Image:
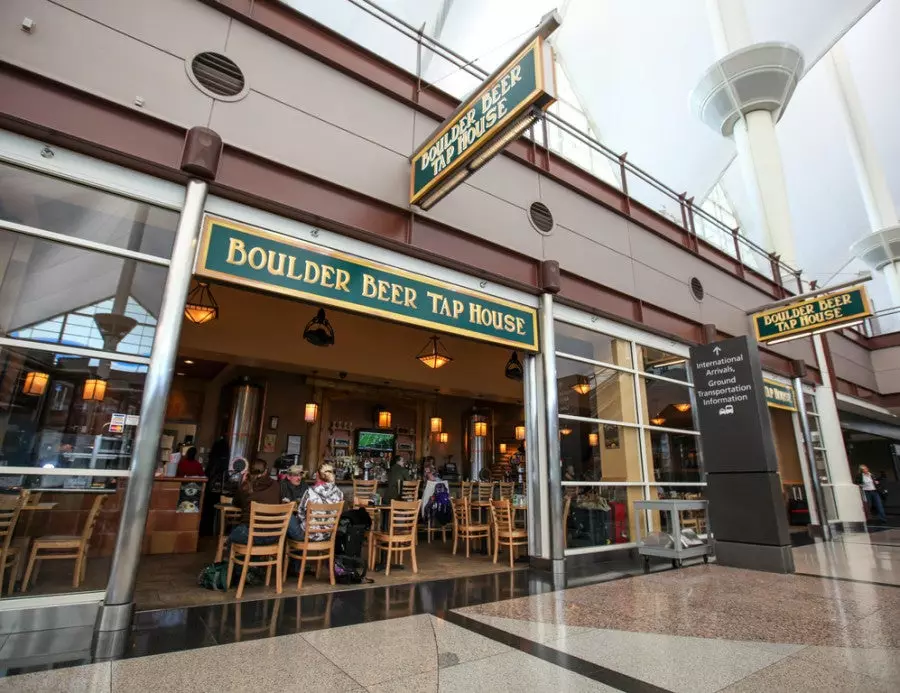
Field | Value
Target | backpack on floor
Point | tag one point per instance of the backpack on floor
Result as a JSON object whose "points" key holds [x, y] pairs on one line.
{"points": [[349, 570], [213, 576], [351, 533]]}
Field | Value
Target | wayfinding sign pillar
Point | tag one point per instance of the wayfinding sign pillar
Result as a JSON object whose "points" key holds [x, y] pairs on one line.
{"points": [[746, 509]]}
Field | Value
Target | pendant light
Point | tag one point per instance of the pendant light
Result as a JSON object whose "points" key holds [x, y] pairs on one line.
{"points": [[384, 418], [436, 424], [319, 331], [502, 448], [94, 390], [311, 412], [434, 354], [520, 433], [480, 429], [582, 385], [35, 383], [565, 431], [514, 367], [444, 437], [683, 407], [200, 307], [657, 421], [593, 439]]}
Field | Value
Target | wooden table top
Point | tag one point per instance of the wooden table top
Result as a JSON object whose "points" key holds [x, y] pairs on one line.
{"points": [[39, 506]]}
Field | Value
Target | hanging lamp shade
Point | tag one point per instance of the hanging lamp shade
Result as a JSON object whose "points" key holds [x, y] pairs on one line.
{"points": [[310, 412], [35, 383], [502, 448], [114, 327], [384, 418], [514, 367], [657, 421], [565, 431], [434, 354], [444, 437], [480, 429], [436, 424], [683, 407], [582, 385], [94, 390], [593, 439], [319, 331], [520, 433], [200, 307]]}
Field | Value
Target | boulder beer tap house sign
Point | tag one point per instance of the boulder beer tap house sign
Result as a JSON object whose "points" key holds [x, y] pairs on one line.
{"points": [[505, 105], [818, 314]]}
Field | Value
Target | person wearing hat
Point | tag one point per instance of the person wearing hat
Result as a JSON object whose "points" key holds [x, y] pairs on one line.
{"points": [[293, 485]]}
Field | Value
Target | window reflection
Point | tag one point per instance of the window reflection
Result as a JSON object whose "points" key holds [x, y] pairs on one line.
{"points": [[676, 457], [662, 363], [578, 341], [667, 404], [595, 392], [598, 452], [599, 515]]}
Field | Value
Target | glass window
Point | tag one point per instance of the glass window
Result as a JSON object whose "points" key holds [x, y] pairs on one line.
{"points": [[57, 412], [676, 456], [667, 404], [595, 392], [599, 515], [59, 294], [578, 341], [598, 452], [690, 519], [48, 203], [662, 363]]}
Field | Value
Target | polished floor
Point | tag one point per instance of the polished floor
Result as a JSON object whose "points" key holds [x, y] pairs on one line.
{"points": [[835, 627]]}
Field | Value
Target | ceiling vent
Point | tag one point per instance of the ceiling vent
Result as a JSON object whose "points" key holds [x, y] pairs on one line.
{"points": [[217, 75], [697, 288], [540, 217]]}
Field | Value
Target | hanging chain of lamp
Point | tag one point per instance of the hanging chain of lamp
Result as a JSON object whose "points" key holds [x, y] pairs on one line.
{"points": [[319, 331], [434, 354], [514, 367], [201, 307]]}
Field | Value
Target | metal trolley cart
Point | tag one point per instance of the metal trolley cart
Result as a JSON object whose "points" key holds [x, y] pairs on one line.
{"points": [[677, 552]]}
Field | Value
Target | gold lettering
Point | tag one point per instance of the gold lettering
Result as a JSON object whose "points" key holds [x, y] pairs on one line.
{"points": [[290, 272], [520, 326], [342, 281], [235, 246], [383, 288], [397, 294], [311, 272], [261, 256], [279, 269], [435, 297], [327, 274], [474, 313], [409, 298], [509, 323], [369, 290], [458, 308]]}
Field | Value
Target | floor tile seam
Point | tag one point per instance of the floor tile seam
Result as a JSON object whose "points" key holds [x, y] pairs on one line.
{"points": [[596, 672], [845, 579], [754, 673], [335, 664]]}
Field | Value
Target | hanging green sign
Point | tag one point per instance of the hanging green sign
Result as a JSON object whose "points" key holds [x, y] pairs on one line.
{"points": [[272, 262], [779, 395], [817, 314]]}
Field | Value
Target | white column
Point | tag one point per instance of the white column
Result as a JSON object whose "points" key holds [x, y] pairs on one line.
{"points": [[729, 25], [846, 492]]}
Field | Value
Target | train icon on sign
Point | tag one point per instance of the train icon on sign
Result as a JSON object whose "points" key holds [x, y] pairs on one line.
{"points": [[727, 409]]}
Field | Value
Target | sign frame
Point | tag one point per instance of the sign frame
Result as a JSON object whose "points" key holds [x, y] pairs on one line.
{"points": [[804, 330], [539, 97], [201, 270], [774, 404]]}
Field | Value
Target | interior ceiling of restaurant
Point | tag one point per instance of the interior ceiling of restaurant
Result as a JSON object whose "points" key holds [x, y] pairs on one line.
{"points": [[632, 66], [266, 331]]}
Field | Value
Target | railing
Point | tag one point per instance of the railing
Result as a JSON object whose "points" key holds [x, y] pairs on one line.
{"points": [[555, 133]]}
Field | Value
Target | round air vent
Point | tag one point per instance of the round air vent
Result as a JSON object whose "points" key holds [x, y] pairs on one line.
{"points": [[697, 288], [540, 217], [217, 75]]}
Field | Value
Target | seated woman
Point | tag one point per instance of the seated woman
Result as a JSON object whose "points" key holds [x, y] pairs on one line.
{"points": [[323, 491], [257, 486]]}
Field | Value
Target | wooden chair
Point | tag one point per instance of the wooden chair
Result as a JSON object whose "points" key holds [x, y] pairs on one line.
{"points": [[505, 532], [229, 516], [321, 518], [409, 491], [482, 495], [364, 490], [463, 528], [62, 547], [266, 522], [10, 508], [465, 489], [400, 537], [507, 490]]}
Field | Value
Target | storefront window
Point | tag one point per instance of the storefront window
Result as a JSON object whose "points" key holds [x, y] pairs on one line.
{"points": [[676, 456], [599, 452], [667, 404], [56, 205], [599, 515], [595, 392], [595, 346], [656, 362]]}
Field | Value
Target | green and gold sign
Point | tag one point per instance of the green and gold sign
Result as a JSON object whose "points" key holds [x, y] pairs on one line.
{"points": [[812, 315], [461, 142], [279, 264], [779, 395]]}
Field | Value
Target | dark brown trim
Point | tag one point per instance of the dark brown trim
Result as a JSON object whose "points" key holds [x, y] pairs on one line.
{"points": [[882, 341]]}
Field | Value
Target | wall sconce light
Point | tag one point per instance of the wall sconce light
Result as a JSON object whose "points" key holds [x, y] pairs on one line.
{"points": [[311, 412], [384, 418], [502, 447], [565, 430], [437, 424], [514, 367], [94, 390], [683, 407], [480, 429], [35, 383], [200, 307], [444, 437], [593, 439], [319, 331], [657, 421], [434, 354], [582, 385], [520, 433]]}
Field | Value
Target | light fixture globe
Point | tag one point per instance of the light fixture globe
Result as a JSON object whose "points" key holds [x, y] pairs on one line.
{"points": [[657, 421], [434, 354], [319, 331], [582, 385], [200, 307]]}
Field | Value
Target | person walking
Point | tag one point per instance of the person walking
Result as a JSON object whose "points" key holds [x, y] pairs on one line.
{"points": [[869, 485]]}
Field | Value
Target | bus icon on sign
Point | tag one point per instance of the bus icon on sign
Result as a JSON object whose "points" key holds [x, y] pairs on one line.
{"points": [[727, 409]]}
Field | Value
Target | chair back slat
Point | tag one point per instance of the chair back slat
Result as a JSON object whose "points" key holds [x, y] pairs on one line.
{"points": [[460, 512], [269, 520], [323, 518], [507, 489], [485, 491], [9, 515], [409, 491], [92, 517], [364, 489], [465, 489], [501, 511], [404, 517]]}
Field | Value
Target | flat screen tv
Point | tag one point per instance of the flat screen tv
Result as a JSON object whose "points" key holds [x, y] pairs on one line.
{"points": [[374, 441]]}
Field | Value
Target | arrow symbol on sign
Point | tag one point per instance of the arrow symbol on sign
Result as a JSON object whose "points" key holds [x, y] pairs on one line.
{"points": [[716, 350]]}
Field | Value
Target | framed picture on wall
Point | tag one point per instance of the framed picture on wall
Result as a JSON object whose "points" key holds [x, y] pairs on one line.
{"points": [[273, 422], [611, 437], [269, 442], [294, 445]]}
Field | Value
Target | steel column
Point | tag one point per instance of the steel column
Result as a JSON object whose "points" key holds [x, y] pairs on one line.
{"points": [[551, 399], [811, 457]]}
